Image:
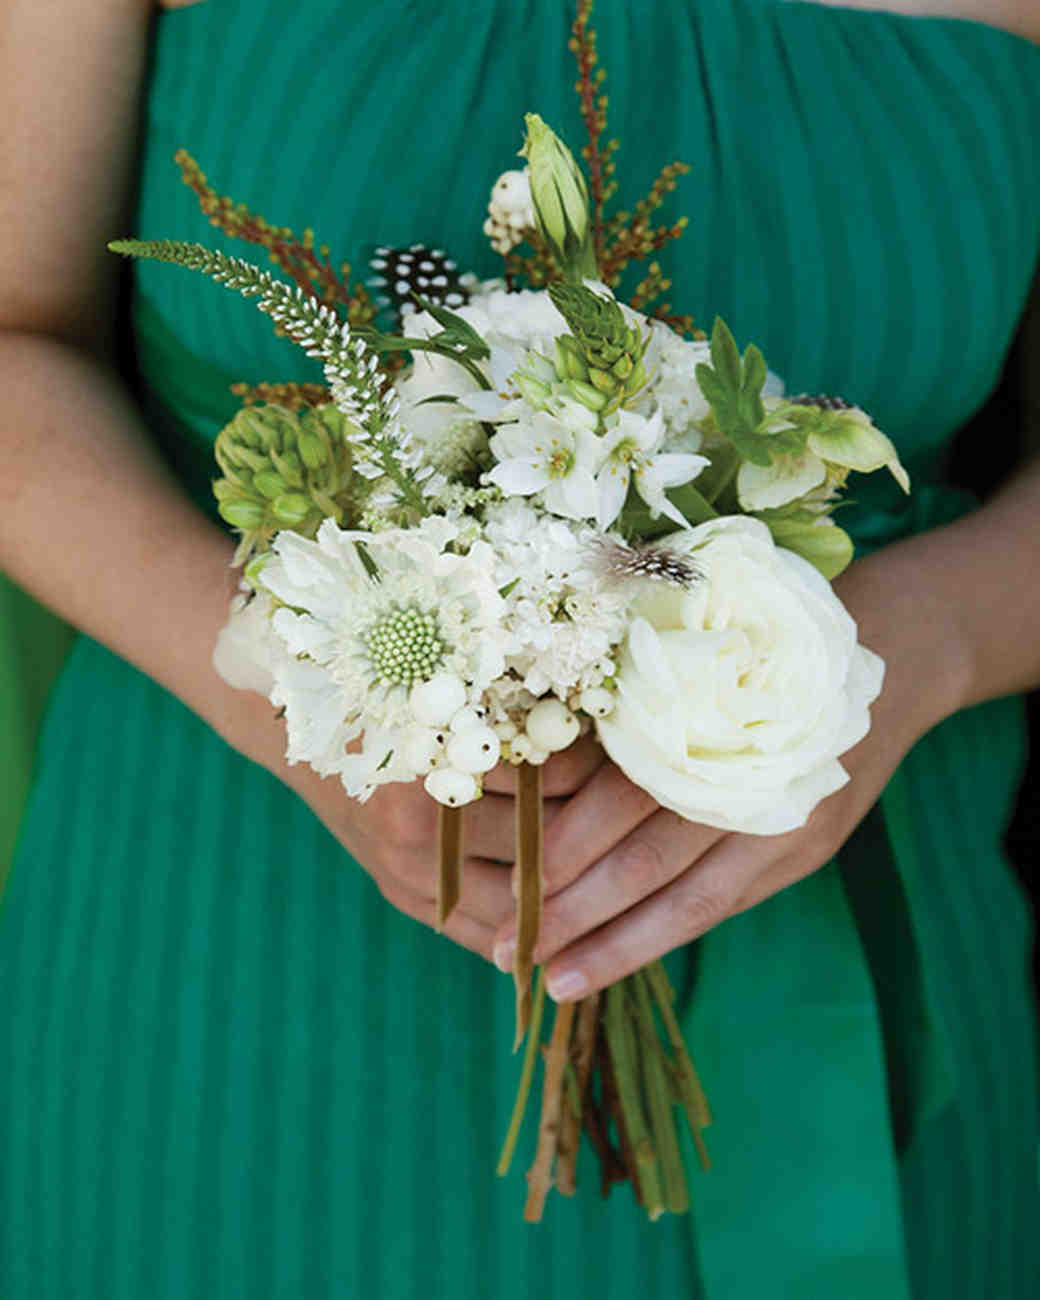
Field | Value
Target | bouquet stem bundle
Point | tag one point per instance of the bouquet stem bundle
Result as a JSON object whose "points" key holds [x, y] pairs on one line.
{"points": [[615, 1064]]}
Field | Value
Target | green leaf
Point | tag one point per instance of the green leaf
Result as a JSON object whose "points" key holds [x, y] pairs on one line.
{"points": [[826, 546], [445, 398], [711, 385], [724, 355], [755, 371], [365, 556], [712, 481], [638, 523], [455, 329]]}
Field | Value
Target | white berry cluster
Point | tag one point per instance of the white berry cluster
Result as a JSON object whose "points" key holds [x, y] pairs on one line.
{"points": [[455, 742], [510, 211]]}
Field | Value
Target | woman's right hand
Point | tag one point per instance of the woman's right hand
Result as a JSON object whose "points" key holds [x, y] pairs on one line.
{"points": [[394, 837]]}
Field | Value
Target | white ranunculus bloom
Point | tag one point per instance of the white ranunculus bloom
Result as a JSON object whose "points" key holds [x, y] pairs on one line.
{"points": [[736, 697]]}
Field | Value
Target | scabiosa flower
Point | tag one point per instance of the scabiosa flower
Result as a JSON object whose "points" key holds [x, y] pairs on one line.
{"points": [[359, 636]]}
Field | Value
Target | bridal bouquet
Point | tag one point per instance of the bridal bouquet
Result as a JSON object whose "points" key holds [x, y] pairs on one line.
{"points": [[563, 514]]}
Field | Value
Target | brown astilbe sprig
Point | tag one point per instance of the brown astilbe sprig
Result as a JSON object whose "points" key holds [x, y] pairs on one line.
{"points": [[626, 236], [653, 284], [300, 258], [631, 236], [537, 268], [296, 397], [599, 158]]}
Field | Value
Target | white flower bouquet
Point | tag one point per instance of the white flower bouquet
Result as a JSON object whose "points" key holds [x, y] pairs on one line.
{"points": [[562, 515]]}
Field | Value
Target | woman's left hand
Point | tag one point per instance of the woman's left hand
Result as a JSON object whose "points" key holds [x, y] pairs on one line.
{"points": [[627, 881]]}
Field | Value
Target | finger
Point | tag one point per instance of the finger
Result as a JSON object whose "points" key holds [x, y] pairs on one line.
{"points": [[657, 851], [688, 907], [486, 895], [460, 927], [485, 892], [562, 774], [602, 813], [489, 825]]}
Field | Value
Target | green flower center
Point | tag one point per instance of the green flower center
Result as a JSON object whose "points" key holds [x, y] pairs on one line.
{"points": [[561, 462], [626, 452], [404, 647]]}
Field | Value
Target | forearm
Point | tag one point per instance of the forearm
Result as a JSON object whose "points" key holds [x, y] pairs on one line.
{"points": [[1019, 16], [94, 525], [958, 607]]}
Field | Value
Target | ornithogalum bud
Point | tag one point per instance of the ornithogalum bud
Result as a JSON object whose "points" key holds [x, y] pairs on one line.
{"points": [[561, 200], [602, 353]]}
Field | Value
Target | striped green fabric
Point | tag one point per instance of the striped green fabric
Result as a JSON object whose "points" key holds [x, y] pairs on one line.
{"points": [[227, 1067]]}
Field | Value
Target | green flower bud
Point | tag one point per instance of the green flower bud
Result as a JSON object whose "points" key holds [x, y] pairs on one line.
{"points": [[281, 470], [246, 515], [314, 450], [561, 200], [587, 395], [610, 350], [570, 360], [534, 392], [269, 483], [291, 508]]}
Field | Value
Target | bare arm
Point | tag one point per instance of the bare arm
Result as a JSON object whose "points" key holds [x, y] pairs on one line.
{"points": [[91, 522], [1019, 16], [89, 519]]}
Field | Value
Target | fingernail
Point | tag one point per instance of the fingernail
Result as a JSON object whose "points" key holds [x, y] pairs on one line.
{"points": [[503, 953], [566, 985]]}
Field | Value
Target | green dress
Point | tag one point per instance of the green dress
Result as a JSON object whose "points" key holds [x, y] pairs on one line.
{"points": [[227, 1067]]}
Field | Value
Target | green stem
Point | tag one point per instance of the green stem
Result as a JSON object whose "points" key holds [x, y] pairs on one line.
{"points": [[658, 1090], [526, 1075], [449, 861], [621, 1042], [692, 1094], [529, 851], [539, 1176]]}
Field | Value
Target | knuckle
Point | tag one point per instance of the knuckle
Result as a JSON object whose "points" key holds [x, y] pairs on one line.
{"points": [[640, 861], [701, 908]]}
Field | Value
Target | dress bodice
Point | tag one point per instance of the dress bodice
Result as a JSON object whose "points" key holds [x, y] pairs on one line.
{"points": [[863, 199]]}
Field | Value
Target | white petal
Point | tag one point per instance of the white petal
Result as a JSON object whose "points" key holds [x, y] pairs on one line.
{"points": [[764, 487], [673, 468], [612, 482], [520, 477], [574, 497]]}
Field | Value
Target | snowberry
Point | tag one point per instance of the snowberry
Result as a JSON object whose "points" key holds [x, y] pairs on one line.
{"points": [[424, 750], [450, 787], [476, 749], [597, 701], [434, 702], [551, 725], [519, 748]]}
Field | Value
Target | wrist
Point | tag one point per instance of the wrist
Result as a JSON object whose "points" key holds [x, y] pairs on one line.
{"points": [[912, 624]]}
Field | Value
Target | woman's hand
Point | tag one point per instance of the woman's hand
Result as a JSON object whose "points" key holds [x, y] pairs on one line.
{"points": [[394, 834], [627, 880]]}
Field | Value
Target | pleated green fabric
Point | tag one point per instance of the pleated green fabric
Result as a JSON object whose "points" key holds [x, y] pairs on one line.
{"points": [[228, 1068], [33, 645]]}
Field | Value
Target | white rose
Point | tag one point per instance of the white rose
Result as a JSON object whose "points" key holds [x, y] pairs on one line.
{"points": [[736, 697]]}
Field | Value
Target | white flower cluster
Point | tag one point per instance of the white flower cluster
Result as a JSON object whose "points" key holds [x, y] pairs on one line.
{"points": [[510, 211], [395, 655], [721, 673]]}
